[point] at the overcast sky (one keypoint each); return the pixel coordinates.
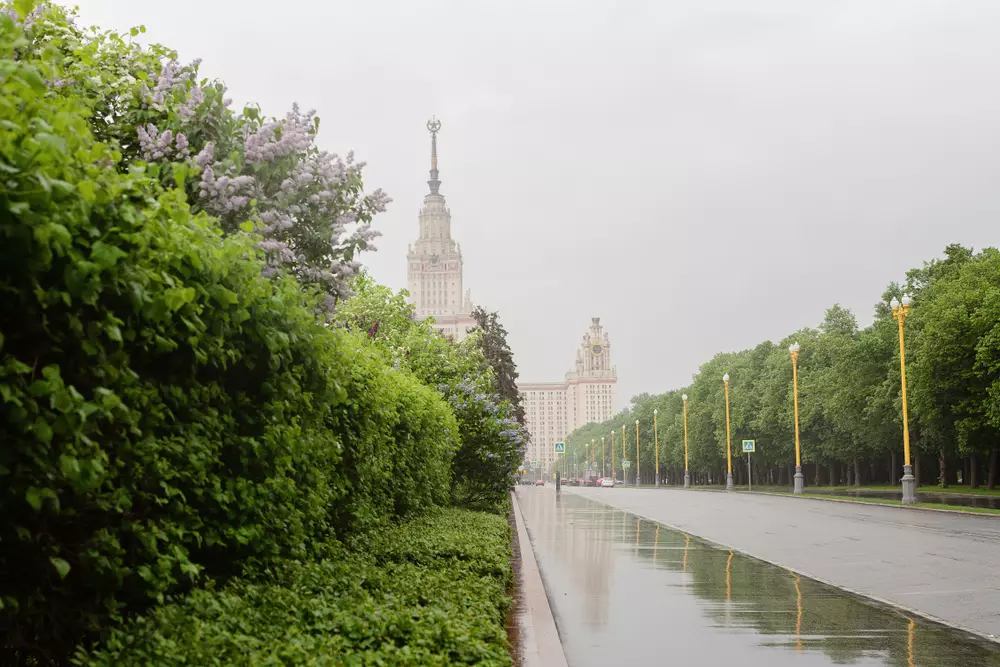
(701, 174)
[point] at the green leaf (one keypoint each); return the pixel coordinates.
(105, 255)
(34, 498)
(51, 141)
(43, 431)
(25, 7)
(62, 567)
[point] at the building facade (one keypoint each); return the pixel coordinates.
(587, 394)
(434, 274)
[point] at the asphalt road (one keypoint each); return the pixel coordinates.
(941, 565)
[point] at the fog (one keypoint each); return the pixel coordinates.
(702, 175)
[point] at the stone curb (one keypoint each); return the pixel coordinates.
(888, 604)
(540, 643)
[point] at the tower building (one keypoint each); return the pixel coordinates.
(434, 276)
(588, 394)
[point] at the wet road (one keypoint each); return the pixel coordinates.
(943, 565)
(627, 591)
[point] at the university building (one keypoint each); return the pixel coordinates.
(587, 394)
(434, 275)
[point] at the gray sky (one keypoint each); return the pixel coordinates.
(701, 174)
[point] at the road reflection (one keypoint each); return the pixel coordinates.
(626, 590)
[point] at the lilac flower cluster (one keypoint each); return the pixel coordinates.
(188, 108)
(314, 192)
(278, 139)
(224, 194)
(172, 77)
(161, 146)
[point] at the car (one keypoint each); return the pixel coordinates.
(619, 482)
(540, 482)
(607, 483)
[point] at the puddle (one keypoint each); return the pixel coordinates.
(629, 591)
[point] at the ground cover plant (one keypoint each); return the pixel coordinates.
(431, 591)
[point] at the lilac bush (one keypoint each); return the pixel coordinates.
(256, 175)
(492, 441)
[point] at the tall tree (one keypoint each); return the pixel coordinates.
(491, 340)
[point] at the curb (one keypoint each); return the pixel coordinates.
(540, 643)
(982, 636)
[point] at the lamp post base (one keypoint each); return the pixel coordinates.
(687, 479)
(909, 486)
(729, 481)
(800, 480)
(656, 482)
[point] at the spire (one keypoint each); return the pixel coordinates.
(434, 125)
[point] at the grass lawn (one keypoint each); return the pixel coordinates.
(897, 503)
(953, 489)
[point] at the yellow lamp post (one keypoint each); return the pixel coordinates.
(729, 447)
(800, 479)
(624, 454)
(656, 450)
(602, 456)
(614, 475)
(899, 313)
(687, 473)
(637, 452)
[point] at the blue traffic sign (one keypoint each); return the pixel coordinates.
(749, 446)
(560, 448)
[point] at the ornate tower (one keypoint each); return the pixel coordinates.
(435, 260)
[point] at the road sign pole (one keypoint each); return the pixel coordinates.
(749, 474)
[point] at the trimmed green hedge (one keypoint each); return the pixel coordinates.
(169, 415)
(430, 592)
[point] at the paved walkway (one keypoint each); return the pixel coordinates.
(943, 566)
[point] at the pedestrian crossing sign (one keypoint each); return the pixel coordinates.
(560, 448)
(749, 446)
(626, 464)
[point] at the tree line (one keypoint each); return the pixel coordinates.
(850, 400)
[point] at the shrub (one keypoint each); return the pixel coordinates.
(168, 414)
(429, 592)
(309, 206)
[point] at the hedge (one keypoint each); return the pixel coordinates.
(169, 415)
(430, 592)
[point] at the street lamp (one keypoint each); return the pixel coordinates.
(656, 449)
(687, 473)
(899, 313)
(593, 455)
(614, 475)
(602, 456)
(624, 455)
(793, 350)
(637, 452)
(729, 448)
